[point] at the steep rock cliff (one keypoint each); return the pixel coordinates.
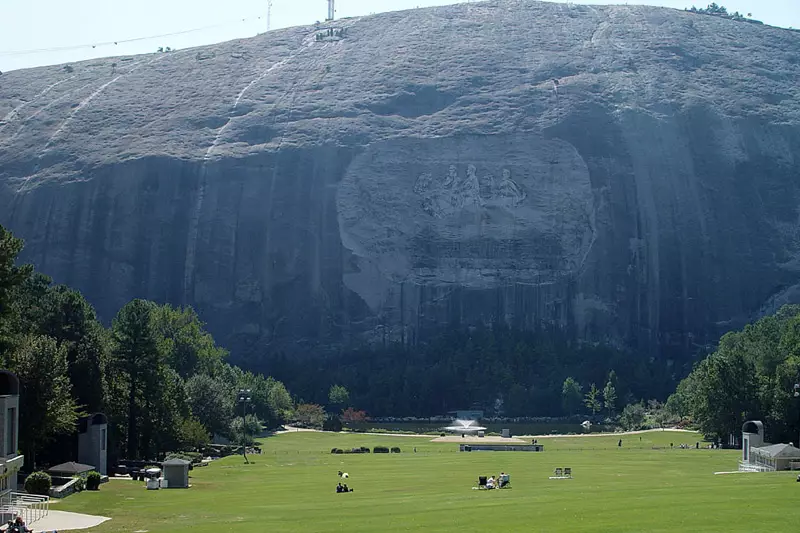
(627, 173)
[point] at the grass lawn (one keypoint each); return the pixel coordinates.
(291, 488)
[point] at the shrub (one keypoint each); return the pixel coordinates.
(332, 424)
(38, 483)
(93, 480)
(80, 483)
(380, 449)
(192, 457)
(395, 450)
(365, 449)
(334, 450)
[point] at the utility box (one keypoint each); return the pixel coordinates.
(506, 433)
(176, 474)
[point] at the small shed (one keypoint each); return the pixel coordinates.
(70, 469)
(775, 456)
(176, 473)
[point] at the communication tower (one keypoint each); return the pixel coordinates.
(269, 13)
(330, 10)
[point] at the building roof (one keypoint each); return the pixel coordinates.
(71, 468)
(778, 451)
(753, 426)
(176, 462)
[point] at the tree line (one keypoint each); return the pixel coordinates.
(160, 378)
(503, 371)
(751, 375)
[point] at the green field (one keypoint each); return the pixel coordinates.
(290, 487)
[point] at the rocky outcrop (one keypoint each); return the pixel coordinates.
(627, 173)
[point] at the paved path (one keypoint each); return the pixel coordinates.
(291, 429)
(62, 520)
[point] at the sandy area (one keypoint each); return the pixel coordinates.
(473, 439)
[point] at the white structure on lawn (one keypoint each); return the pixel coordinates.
(10, 460)
(761, 456)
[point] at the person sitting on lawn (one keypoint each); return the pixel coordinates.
(347, 489)
(490, 483)
(19, 526)
(339, 488)
(504, 479)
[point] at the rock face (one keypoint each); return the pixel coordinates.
(627, 173)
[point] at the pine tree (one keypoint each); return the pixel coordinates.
(592, 400)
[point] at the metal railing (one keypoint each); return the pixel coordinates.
(751, 467)
(32, 507)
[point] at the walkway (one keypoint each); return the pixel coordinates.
(62, 520)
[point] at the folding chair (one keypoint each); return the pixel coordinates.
(567, 472)
(558, 473)
(482, 482)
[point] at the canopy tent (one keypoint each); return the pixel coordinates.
(70, 468)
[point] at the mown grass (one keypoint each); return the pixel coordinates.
(290, 487)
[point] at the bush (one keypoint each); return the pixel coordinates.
(93, 480)
(192, 457)
(38, 483)
(80, 483)
(380, 449)
(335, 450)
(332, 424)
(395, 450)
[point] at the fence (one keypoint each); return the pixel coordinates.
(32, 507)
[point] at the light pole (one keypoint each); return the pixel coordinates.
(244, 399)
(797, 397)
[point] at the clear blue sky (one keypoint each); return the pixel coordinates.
(46, 24)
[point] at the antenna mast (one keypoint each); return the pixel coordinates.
(330, 10)
(269, 13)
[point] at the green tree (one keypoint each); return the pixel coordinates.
(280, 402)
(47, 408)
(610, 397)
(188, 348)
(310, 415)
(70, 319)
(516, 402)
(136, 361)
(571, 395)
(165, 410)
(244, 430)
(11, 277)
(211, 402)
(193, 435)
(338, 396)
(632, 417)
(593, 401)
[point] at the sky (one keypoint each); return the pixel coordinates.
(50, 32)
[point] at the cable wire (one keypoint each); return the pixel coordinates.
(121, 41)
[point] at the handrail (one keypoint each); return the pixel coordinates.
(31, 506)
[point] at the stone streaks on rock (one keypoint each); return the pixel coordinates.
(627, 173)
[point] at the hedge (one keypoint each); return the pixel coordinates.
(93, 480)
(38, 483)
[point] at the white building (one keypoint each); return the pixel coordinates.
(761, 456)
(776, 456)
(10, 460)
